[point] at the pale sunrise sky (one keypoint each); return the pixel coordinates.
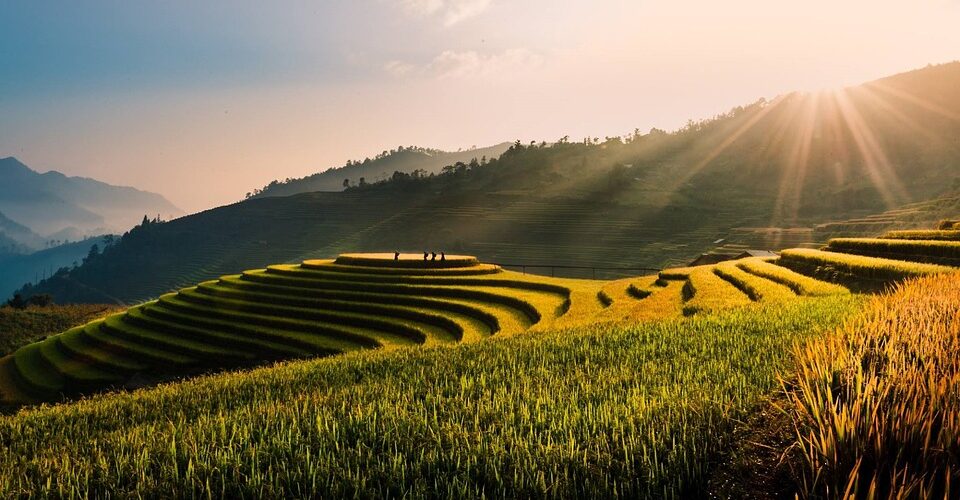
(203, 103)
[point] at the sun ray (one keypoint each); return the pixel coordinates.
(882, 174)
(901, 118)
(726, 143)
(913, 100)
(787, 205)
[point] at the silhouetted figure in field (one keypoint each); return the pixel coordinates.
(443, 256)
(396, 255)
(425, 255)
(434, 256)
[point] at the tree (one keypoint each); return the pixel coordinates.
(41, 300)
(92, 254)
(17, 302)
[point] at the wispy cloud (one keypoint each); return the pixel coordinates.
(399, 68)
(471, 64)
(450, 12)
(451, 64)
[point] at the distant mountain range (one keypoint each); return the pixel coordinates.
(782, 166)
(54, 206)
(382, 167)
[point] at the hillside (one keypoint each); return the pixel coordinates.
(574, 388)
(382, 167)
(750, 177)
(363, 301)
(51, 202)
(17, 269)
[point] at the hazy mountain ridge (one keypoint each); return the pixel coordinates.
(647, 200)
(51, 202)
(382, 167)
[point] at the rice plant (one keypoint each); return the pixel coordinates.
(924, 234)
(800, 284)
(936, 251)
(640, 409)
(877, 403)
(862, 267)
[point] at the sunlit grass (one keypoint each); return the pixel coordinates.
(861, 267)
(877, 401)
(630, 410)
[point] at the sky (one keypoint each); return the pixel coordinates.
(205, 101)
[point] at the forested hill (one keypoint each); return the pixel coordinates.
(406, 160)
(646, 200)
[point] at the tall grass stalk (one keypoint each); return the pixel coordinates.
(878, 402)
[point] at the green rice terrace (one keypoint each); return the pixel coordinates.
(633, 387)
(370, 301)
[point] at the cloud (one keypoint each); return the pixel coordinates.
(399, 68)
(450, 11)
(471, 64)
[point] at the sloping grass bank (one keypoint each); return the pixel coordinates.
(637, 410)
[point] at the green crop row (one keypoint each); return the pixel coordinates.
(96, 336)
(267, 342)
(461, 261)
(637, 292)
(755, 287)
(417, 313)
(518, 284)
(705, 291)
(932, 251)
(183, 315)
(604, 298)
(537, 286)
(295, 296)
(800, 284)
(676, 274)
(407, 323)
(329, 265)
(861, 267)
(924, 234)
(409, 290)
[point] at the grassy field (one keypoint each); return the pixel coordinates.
(19, 327)
(462, 379)
(617, 409)
(370, 301)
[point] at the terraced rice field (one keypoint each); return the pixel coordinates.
(317, 308)
(371, 301)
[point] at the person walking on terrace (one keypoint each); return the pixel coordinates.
(396, 255)
(434, 256)
(443, 256)
(425, 255)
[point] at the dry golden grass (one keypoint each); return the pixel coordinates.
(878, 401)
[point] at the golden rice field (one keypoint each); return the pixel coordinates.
(877, 402)
(369, 375)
